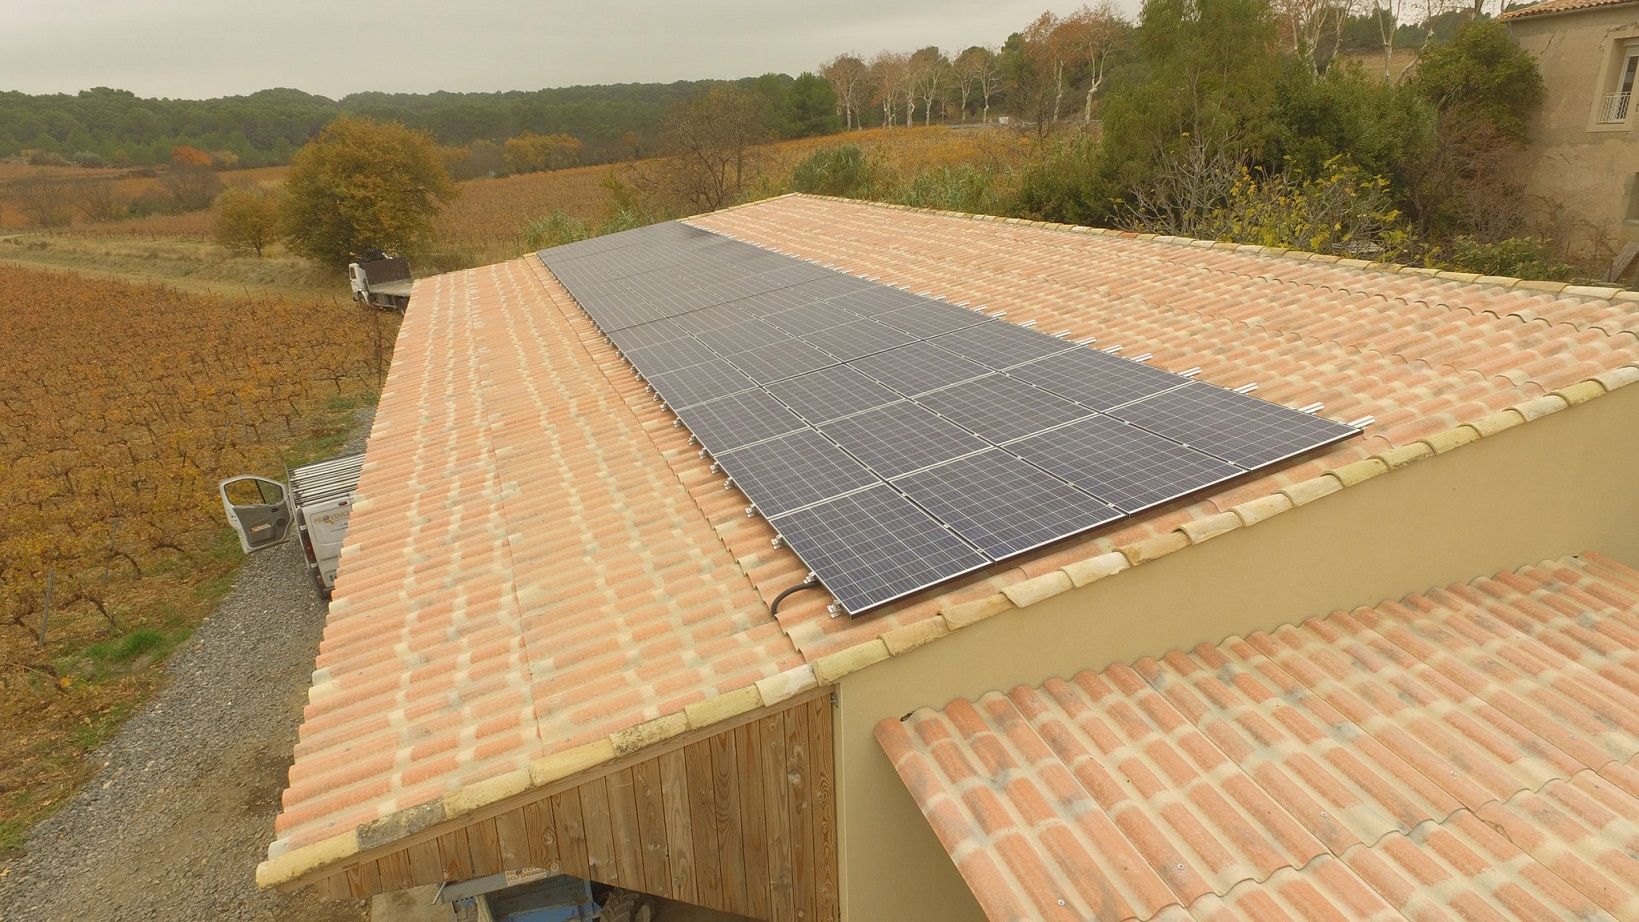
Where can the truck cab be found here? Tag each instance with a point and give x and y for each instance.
(380, 280)
(316, 501)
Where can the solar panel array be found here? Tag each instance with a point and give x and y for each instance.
(896, 441)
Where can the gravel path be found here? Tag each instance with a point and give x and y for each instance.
(182, 808)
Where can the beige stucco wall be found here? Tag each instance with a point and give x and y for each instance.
(1585, 167)
(1559, 485)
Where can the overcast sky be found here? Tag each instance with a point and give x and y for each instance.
(204, 48)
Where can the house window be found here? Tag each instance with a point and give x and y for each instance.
(1614, 106)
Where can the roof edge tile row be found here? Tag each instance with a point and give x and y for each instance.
(1542, 286)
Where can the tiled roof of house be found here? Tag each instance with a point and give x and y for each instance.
(1548, 7)
(1472, 752)
(541, 573)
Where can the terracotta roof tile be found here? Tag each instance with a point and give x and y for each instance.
(1418, 353)
(1549, 7)
(538, 559)
(1439, 756)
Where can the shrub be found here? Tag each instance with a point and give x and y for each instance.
(1344, 210)
(846, 170)
(556, 229)
(1515, 257)
(247, 219)
(1062, 181)
(964, 188)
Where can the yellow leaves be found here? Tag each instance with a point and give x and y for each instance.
(122, 405)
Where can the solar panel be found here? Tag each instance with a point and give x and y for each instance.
(833, 285)
(1128, 467)
(902, 437)
(649, 334)
(779, 361)
(1096, 379)
(877, 300)
(744, 337)
(897, 441)
(831, 393)
(1242, 430)
(1001, 345)
(699, 383)
(792, 471)
(670, 356)
(1002, 505)
(711, 318)
(919, 367)
(857, 339)
(875, 546)
(739, 419)
(811, 318)
(931, 318)
(773, 302)
(1000, 408)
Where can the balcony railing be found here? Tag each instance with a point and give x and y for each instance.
(1614, 108)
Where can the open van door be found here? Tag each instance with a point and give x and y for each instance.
(257, 510)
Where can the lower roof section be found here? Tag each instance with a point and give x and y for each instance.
(1471, 752)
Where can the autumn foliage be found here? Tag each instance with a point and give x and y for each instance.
(121, 406)
(363, 184)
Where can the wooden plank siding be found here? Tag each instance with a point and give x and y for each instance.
(742, 820)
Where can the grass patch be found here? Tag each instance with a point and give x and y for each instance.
(11, 837)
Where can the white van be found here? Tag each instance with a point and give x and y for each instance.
(317, 500)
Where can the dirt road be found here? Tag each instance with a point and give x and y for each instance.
(181, 811)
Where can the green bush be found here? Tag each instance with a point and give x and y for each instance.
(553, 230)
(1343, 210)
(965, 188)
(1515, 257)
(846, 171)
(1062, 181)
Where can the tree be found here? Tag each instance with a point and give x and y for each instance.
(247, 218)
(711, 145)
(363, 184)
(1482, 74)
(533, 153)
(849, 78)
(813, 106)
(191, 180)
(1307, 23)
(928, 69)
(1092, 36)
(888, 71)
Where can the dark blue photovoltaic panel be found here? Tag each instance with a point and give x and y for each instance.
(1002, 505)
(739, 419)
(1128, 467)
(811, 318)
(699, 383)
(902, 437)
(830, 393)
(919, 368)
(875, 546)
(930, 318)
(1242, 430)
(895, 440)
(1001, 345)
(1000, 408)
(779, 361)
(1095, 379)
(649, 334)
(857, 339)
(670, 356)
(794, 470)
(744, 337)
